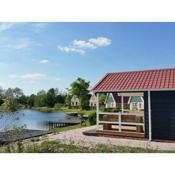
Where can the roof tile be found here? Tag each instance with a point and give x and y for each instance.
(137, 80)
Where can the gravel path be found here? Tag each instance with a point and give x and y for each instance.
(76, 137)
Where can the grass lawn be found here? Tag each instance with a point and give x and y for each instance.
(3, 109)
(63, 109)
(58, 147)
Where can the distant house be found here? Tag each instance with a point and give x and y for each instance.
(136, 103)
(75, 102)
(112, 99)
(92, 101)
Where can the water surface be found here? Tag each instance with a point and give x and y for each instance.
(31, 119)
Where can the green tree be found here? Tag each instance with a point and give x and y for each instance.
(17, 92)
(51, 98)
(80, 89)
(11, 104)
(102, 98)
(1, 96)
(68, 100)
(31, 100)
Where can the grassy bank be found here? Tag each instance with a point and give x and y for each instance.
(63, 109)
(58, 147)
(3, 109)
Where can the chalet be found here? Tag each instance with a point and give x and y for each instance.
(92, 100)
(75, 102)
(113, 99)
(136, 103)
(157, 119)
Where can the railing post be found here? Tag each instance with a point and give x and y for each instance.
(122, 103)
(97, 110)
(120, 122)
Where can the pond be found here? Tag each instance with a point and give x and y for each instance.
(31, 119)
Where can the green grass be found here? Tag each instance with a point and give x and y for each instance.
(58, 147)
(63, 109)
(3, 109)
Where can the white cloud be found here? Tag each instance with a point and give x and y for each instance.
(57, 79)
(13, 76)
(17, 44)
(33, 76)
(6, 26)
(71, 49)
(30, 76)
(81, 46)
(40, 24)
(45, 61)
(100, 41)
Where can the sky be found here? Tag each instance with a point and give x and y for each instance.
(36, 56)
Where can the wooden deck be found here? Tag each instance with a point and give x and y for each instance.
(107, 133)
(59, 124)
(14, 135)
(122, 133)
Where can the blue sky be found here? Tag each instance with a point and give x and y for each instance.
(35, 56)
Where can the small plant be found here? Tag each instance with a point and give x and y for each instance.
(92, 118)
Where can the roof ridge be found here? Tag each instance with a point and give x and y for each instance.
(145, 70)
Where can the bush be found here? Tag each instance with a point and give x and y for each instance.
(58, 106)
(11, 105)
(92, 118)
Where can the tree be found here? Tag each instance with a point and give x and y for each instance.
(17, 92)
(51, 98)
(68, 100)
(23, 100)
(1, 96)
(102, 97)
(9, 93)
(80, 89)
(11, 104)
(31, 100)
(42, 92)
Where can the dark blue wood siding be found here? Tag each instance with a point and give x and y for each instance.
(163, 115)
(146, 115)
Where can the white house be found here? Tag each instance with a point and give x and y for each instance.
(136, 103)
(112, 99)
(75, 102)
(92, 101)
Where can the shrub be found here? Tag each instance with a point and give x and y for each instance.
(92, 118)
(58, 106)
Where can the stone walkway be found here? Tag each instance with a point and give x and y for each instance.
(76, 137)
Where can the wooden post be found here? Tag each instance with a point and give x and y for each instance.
(97, 110)
(149, 115)
(122, 103)
(120, 122)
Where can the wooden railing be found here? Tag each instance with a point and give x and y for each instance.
(122, 119)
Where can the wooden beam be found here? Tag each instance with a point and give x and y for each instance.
(97, 110)
(149, 115)
(122, 103)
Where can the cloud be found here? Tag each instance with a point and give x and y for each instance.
(30, 76)
(33, 76)
(57, 79)
(82, 46)
(45, 61)
(17, 44)
(13, 76)
(6, 26)
(40, 25)
(71, 49)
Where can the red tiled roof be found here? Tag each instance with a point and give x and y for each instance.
(137, 81)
